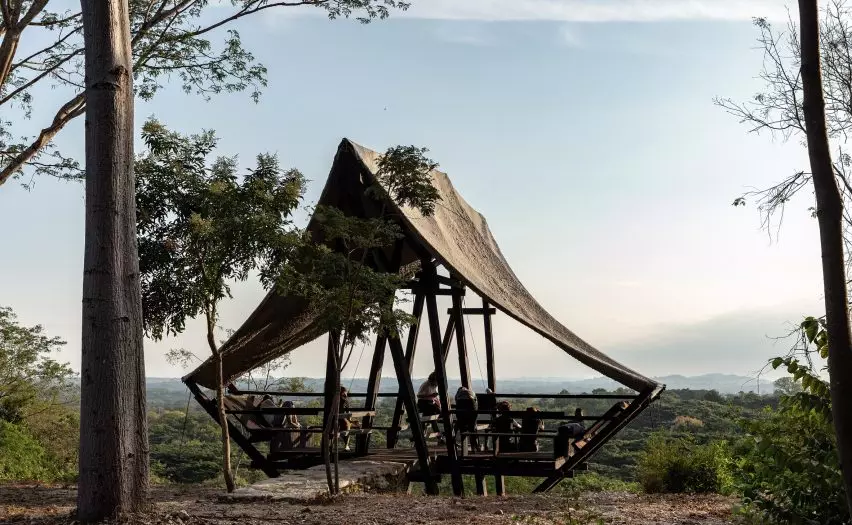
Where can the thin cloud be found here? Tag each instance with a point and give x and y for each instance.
(596, 10)
(569, 36)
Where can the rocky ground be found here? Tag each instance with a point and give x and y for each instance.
(37, 505)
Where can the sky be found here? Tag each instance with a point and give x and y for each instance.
(584, 130)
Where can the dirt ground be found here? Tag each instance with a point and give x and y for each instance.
(38, 505)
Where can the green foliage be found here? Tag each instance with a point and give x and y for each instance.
(29, 379)
(21, 456)
(340, 273)
(788, 470)
(202, 226)
(679, 465)
(192, 43)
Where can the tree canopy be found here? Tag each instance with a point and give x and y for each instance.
(190, 41)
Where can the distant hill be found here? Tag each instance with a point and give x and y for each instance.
(723, 383)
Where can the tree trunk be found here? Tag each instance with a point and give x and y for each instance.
(113, 425)
(830, 218)
(220, 407)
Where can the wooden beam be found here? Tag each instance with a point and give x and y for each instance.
(331, 376)
(461, 344)
(489, 347)
(373, 384)
(407, 393)
(441, 375)
(410, 347)
(448, 338)
(481, 489)
(475, 311)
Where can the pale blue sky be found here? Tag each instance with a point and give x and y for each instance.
(583, 130)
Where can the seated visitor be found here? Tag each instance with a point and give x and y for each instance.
(344, 424)
(428, 400)
(271, 419)
(466, 415)
(569, 432)
(505, 424)
(487, 403)
(530, 427)
(292, 438)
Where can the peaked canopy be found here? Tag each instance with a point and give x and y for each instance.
(456, 235)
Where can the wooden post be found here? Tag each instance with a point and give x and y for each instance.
(481, 489)
(431, 284)
(464, 366)
(408, 398)
(448, 337)
(363, 445)
(489, 346)
(499, 480)
(331, 373)
(500, 484)
(410, 347)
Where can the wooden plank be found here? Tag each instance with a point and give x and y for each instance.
(306, 394)
(545, 414)
(489, 347)
(461, 344)
(441, 375)
(481, 488)
(448, 337)
(410, 347)
(474, 311)
(568, 396)
(410, 402)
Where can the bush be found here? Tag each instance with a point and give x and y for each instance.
(679, 465)
(22, 458)
(788, 471)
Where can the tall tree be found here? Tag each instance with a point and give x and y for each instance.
(829, 211)
(795, 102)
(113, 425)
(169, 39)
(202, 227)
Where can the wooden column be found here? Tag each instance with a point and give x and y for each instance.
(481, 489)
(331, 376)
(410, 402)
(448, 337)
(373, 384)
(431, 286)
(499, 480)
(489, 346)
(410, 347)
(464, 366)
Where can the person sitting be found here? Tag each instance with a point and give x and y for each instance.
(343, 423)
(428, 400)
(287, 440)
(504, 424)
(487, 404)
(530, 427)
(466, 415)
(567, 433)
(271, 419)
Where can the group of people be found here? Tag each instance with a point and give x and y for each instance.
(507, 433)
(293, 435)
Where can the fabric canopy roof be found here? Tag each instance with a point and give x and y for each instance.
(456, 235)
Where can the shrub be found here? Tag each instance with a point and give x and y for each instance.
(22, 458)
(687, 422)
(679, 465)
(788, 471)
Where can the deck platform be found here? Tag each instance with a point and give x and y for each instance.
(382, 471)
